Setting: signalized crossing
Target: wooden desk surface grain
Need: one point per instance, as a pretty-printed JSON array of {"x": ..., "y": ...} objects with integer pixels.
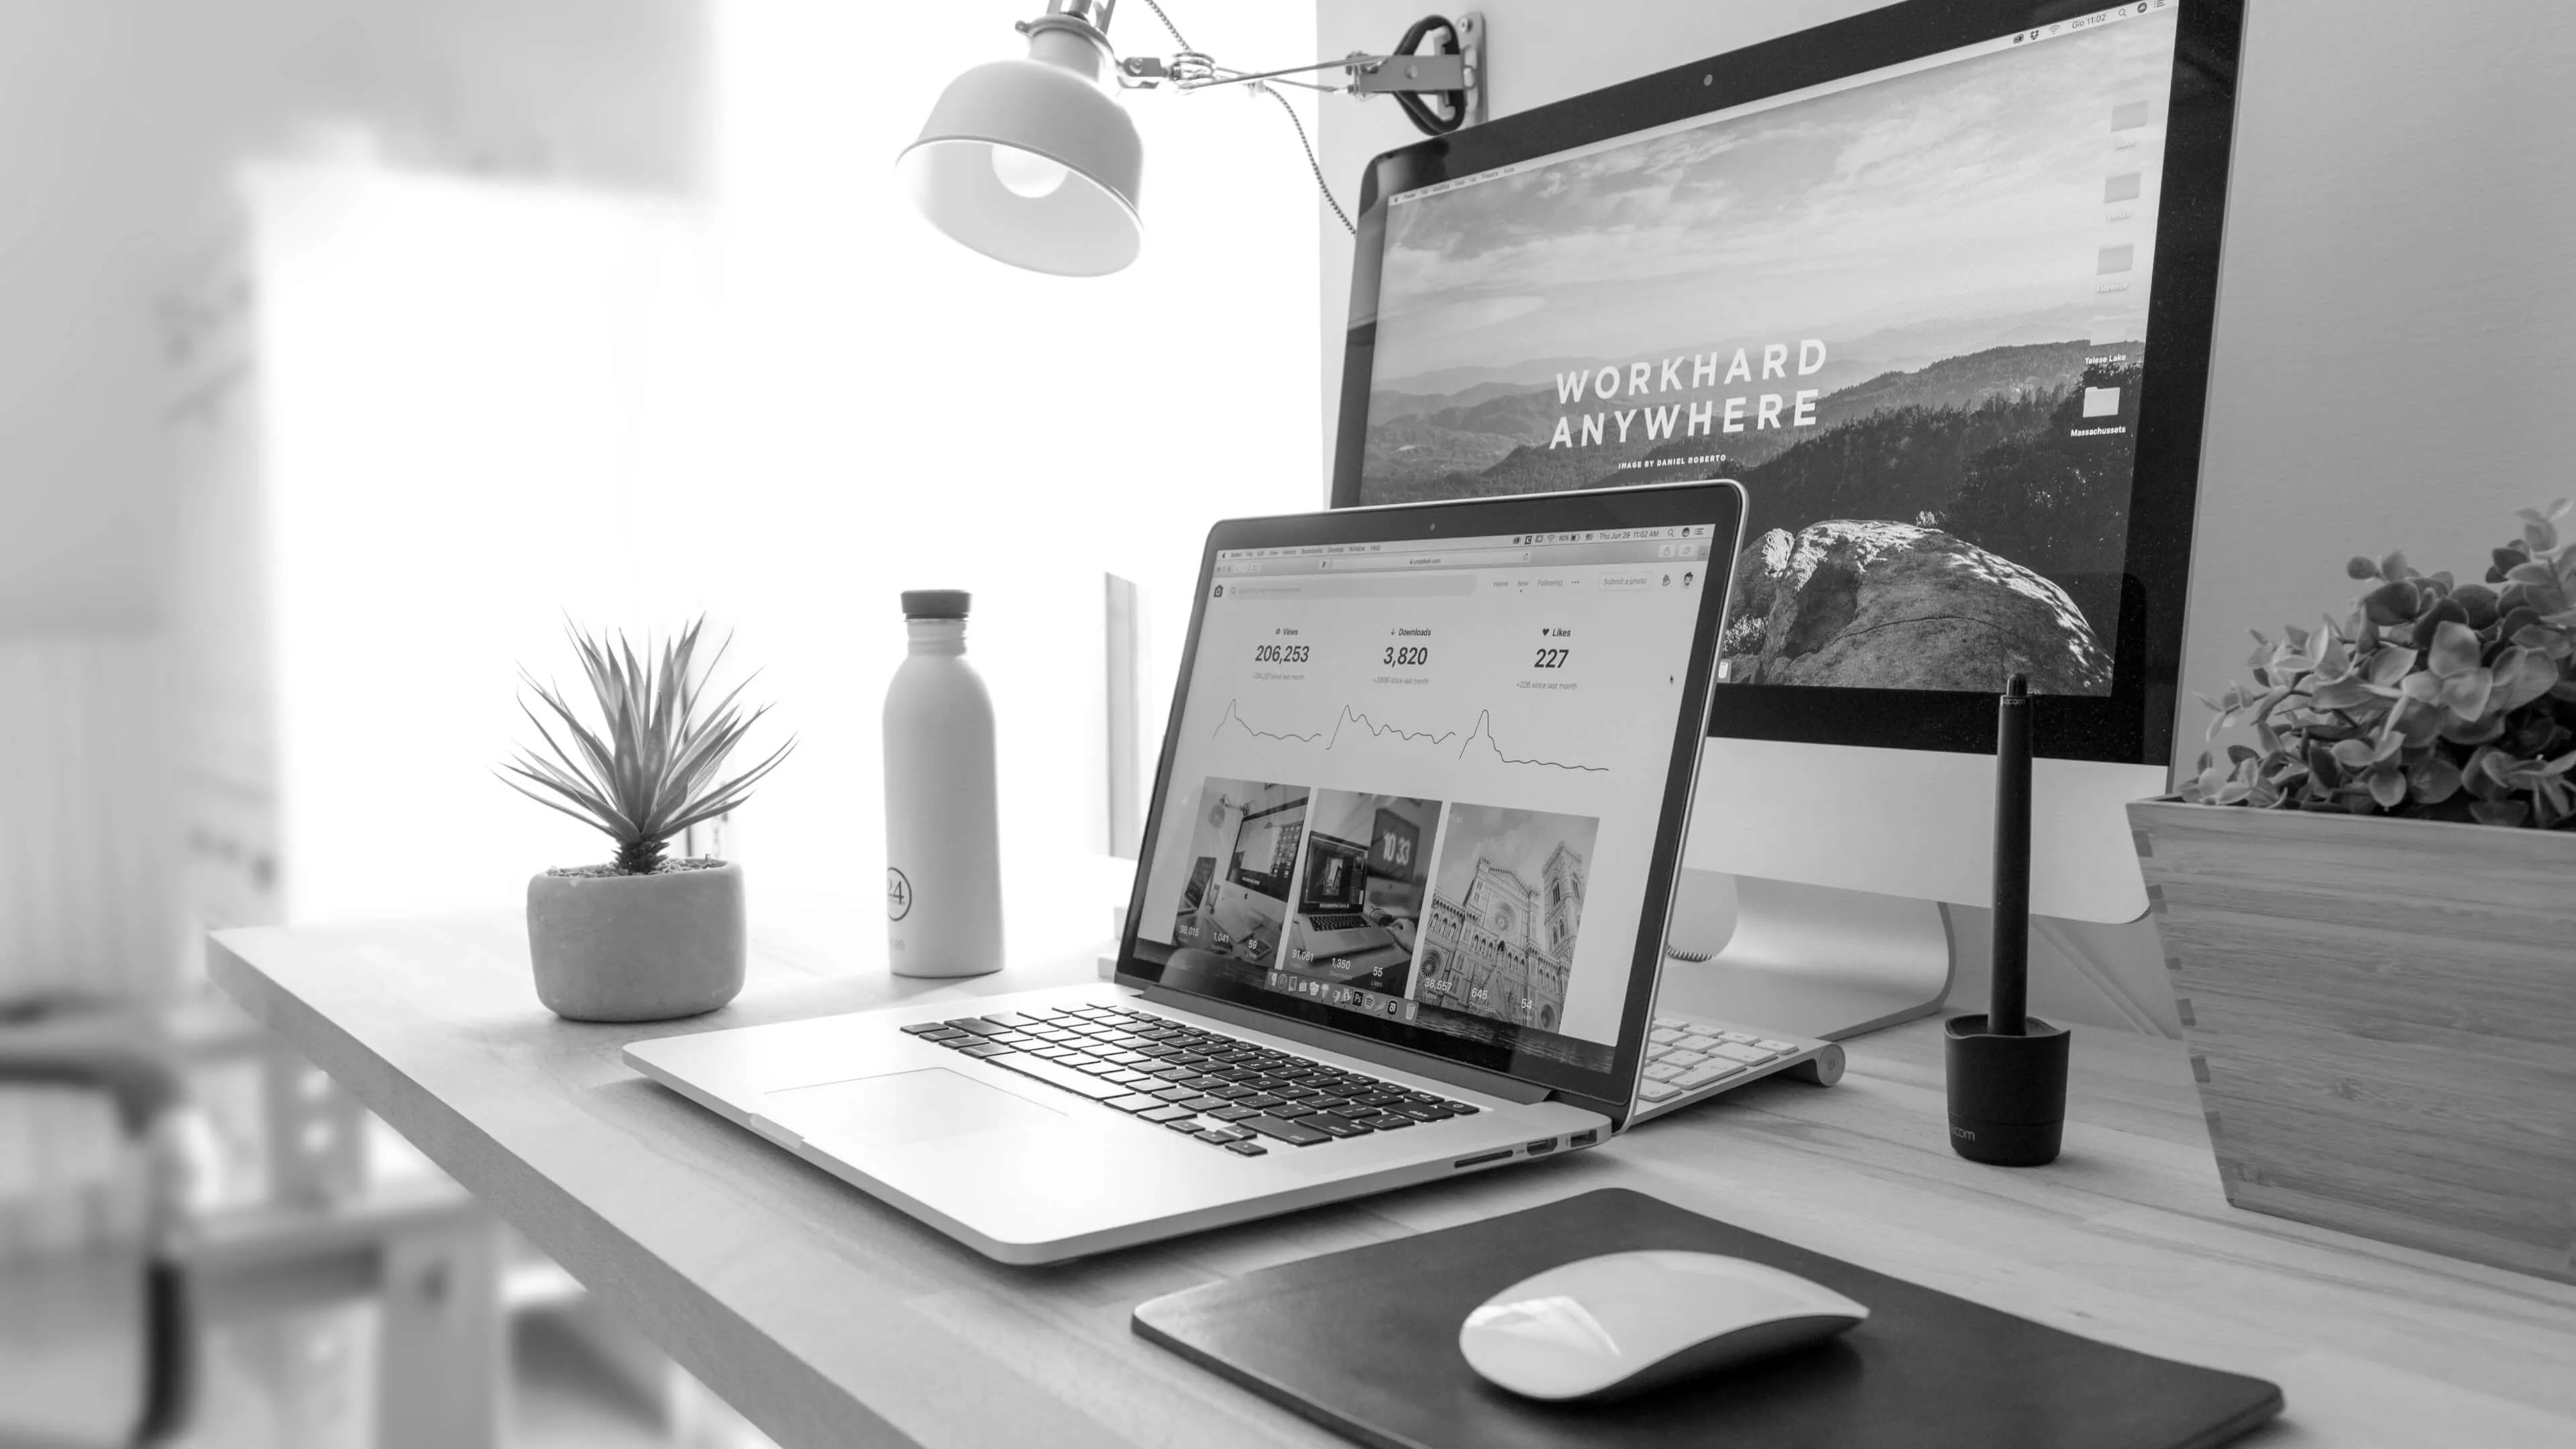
[{"x": 832, "y": 1320}]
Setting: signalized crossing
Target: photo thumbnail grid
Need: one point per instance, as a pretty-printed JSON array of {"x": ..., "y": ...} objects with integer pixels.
[{"x": 1444, "y": 914}]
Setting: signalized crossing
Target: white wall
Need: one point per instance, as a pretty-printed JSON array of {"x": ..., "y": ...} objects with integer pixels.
[
  {"x": 2396, "y": 322},
  {"x": 896, "y": 412},
  {"x": 2397, "y": 319}
]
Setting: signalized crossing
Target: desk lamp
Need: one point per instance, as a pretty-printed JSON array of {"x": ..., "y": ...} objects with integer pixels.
[{"x": 1034, "y": 163}]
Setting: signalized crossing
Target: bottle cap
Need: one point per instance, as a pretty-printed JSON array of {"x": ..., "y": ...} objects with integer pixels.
[{"x": 935, "y": 603}]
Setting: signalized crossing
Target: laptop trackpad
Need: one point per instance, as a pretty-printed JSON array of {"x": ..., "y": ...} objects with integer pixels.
[{"x": 916, "y": 1106}]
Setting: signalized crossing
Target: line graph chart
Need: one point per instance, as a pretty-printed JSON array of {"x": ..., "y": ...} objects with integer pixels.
[{"x": 1355, "y": 723}]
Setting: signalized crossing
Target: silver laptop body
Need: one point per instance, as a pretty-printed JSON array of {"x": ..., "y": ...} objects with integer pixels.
[{"x": 1517, "y": 749}]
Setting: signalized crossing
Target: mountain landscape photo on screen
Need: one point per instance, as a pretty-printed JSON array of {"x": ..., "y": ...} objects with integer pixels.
[{"x": 1909, "y": 316}]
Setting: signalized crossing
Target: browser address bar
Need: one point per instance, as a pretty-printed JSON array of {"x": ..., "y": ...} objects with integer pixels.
[{"x": 1429, "y": 584}]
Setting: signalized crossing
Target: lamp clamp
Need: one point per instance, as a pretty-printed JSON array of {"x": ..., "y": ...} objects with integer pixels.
[
  {"x": 1380, "y": 75},
  {"x": 1371, "y": 75}
]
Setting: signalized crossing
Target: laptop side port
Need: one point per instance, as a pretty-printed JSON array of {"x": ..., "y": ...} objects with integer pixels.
[
  {"x": 1584, "y": 1138},
  {"x": 1542, "y": 1147},
  {"x": 1482, "y": 1158}
]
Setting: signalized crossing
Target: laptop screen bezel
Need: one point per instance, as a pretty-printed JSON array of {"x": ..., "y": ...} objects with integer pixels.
[{"x": 1718, "y": 504}]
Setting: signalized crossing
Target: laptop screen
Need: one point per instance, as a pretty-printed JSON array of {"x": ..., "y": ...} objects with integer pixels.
[{"x": 1422, "y": 783}]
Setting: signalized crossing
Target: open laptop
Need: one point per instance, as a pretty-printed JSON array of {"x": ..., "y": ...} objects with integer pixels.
[{"x": 1481, "y": 720}]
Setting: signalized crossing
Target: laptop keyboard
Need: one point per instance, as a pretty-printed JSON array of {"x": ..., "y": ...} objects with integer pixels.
[
  {"x": 1348, "y": 922},
  {"x": 1218, "y": 1089},
  {"x": 1684, "y": 1056}
]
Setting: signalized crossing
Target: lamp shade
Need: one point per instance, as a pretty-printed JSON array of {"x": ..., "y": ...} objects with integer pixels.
[{"x": 1031, "y": 162}]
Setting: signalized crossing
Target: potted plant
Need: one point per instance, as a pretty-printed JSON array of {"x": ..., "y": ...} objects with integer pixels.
[
  {"x": 644, "y": 937},
  {"x": 2369, "y": 913}
]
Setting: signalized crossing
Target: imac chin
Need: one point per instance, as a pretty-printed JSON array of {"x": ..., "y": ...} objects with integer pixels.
[{"x": 1816, "y": 885}]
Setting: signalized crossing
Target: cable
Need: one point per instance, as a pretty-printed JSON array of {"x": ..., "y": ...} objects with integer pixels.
[
  {"x": 1168, "y": 25},
  {"x": 1424, "y": 118},
  {"x": 1312, "y": 164}
]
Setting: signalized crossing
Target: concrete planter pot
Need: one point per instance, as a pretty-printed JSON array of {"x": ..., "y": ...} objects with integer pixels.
[
  {"x": 637, "y": 947},
  {"x": 2382, "y": 1019}
]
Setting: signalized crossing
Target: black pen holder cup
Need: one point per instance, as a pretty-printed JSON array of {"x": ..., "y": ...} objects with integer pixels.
[{"x": 2007, "y": 1093}]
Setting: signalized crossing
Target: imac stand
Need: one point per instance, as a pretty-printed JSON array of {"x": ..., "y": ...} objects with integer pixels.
[
  {"x": 1816, "y": 961},
  {"x": 1808, "y": 903}
]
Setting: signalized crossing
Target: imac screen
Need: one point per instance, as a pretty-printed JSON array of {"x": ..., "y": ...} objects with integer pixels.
[{"x": 1906, "y": 309}]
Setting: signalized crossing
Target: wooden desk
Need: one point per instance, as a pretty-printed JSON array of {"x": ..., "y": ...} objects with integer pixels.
[{"x": 831, "y": 1320}]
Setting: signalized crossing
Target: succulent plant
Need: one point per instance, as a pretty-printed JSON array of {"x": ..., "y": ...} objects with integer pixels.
[
  {"x": 2434, "y": 699},
  {"x": 652, "y": 771}
]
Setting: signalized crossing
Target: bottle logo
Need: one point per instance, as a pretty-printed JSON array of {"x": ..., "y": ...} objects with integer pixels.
[{"x": 898, "y": 895}]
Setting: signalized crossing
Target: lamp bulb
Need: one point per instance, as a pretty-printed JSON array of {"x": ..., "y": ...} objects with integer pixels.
[{"x": 1026, "y": 173}]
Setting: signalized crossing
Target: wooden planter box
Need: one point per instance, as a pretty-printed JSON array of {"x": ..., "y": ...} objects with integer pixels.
[{"x": 2382, "y": 1019}]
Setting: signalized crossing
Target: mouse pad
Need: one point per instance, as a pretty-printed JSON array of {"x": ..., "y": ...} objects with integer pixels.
[{"x": 1366, "y": 1342}]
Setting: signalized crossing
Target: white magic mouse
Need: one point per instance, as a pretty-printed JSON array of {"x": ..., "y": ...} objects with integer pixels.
[{"x": 1623, "y": 1322}]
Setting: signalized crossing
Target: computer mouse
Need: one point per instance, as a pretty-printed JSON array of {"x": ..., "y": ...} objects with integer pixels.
[{"x": 1624, "y": 1322}]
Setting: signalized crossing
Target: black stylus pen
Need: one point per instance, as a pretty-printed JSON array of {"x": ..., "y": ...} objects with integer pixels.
[{"x": 2009, "y": 1005}]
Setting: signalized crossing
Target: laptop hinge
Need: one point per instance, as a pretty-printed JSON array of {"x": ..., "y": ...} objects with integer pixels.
[{"x": 1492, "y": 1084}]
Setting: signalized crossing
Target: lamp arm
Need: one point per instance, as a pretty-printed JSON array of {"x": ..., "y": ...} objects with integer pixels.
[
  {"x": 1439, "y": 89},
  {"x": 1191, "y": 71}
]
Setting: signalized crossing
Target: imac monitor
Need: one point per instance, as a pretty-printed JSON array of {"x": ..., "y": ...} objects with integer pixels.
[{"x": 1935, "y": 283}]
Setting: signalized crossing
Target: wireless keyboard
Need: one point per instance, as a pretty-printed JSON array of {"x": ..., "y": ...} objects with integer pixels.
[{"x": 1689, "y": 1059}]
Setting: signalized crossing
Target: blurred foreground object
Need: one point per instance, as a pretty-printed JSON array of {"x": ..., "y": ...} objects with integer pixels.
[
  {"x": 122, "y": 1247},
  {"x": 90, "y": 1290}
]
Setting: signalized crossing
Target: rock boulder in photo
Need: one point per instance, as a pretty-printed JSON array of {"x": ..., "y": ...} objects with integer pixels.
[{"x": 1868, "y": 604}]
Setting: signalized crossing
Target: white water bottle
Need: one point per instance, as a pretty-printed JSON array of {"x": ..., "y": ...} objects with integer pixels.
[{"x": 943, "y": 832}]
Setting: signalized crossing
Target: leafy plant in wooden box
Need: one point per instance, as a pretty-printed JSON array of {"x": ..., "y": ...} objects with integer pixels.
[{"x": 2432, "y": 700}]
